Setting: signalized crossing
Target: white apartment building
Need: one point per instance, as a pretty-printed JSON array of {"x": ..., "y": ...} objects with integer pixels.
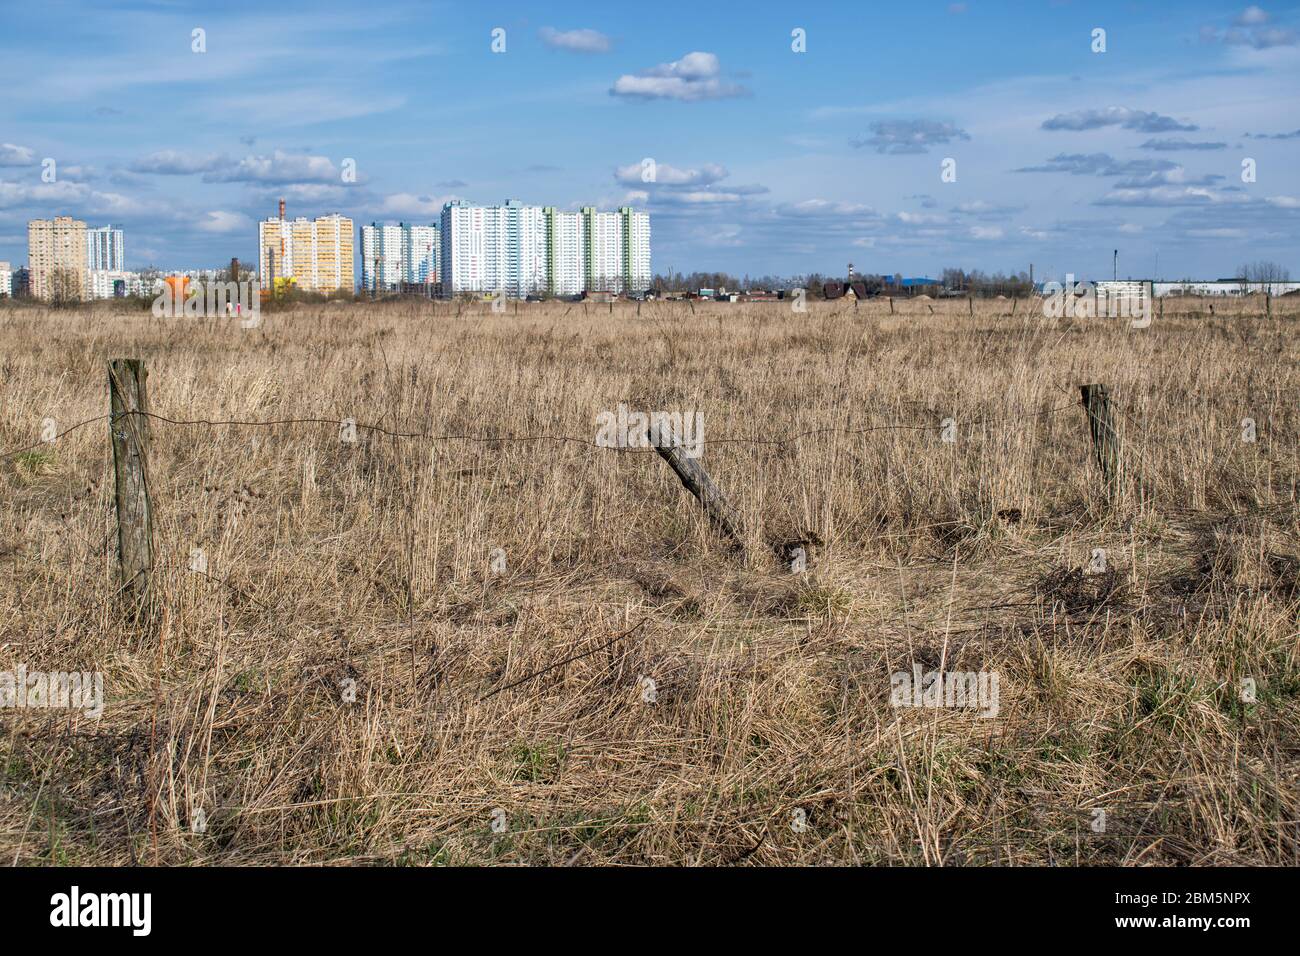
[
  {"x": 103, "y": 282},
  {"x": 381, "y": 256},
  {"x": 105, "y": 250},
  {"x": 462, "y": 231},
  {"x": 6, "y": 280},
  {"x": 604, "y": 253},
  {"x": 635, "y": 226},
  {"x": 401, "y": 253},
  {"x": 493, "y": 249},
  {"x": 421, "y": 251},
  {"x": 565, "y": 251},
  {"x": 520, "y": 250}
]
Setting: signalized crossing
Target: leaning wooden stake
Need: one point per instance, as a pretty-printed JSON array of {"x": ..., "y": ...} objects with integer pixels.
[
  {"x": 129, "y": 433},
  {"x": 1105, "y": 440},
  {"x": 696, "y": 480}
]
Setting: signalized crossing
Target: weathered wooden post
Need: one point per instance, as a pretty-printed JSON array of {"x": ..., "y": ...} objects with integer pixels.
[
  {"x": 1105, "y": 440},
  {"x": 695, "y": 479},
  {"x": 129, "y": 433}
]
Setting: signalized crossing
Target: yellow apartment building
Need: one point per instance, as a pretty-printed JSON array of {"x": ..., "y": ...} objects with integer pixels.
[{"x": 56, "y": 256}]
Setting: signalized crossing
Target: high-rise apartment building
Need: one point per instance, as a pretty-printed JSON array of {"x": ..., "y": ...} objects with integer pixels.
[
  {"x": 421, "y": 251},
  {"x": 105, "y": 250},
  {"x": 565, "y": 245},
  {"x": 381, "y": 257},
  {"x": 604, "y": 250},
  {"x": 493, "y": 248},
  {"x": 6, "y": 280},
  {"x": 635, "y": 245},
  {"x": 56, "y": 256},
  {"x": 520, "y": 250},
  {"x": 405, "y": 253},
  {"x": 316, "y": 253}
]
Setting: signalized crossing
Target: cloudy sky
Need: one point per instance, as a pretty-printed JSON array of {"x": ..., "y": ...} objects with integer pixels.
[{"x": 762, "y": 158}]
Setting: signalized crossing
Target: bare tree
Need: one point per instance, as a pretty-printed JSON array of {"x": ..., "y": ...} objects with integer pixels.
[
  {"x": 65, "y": 287},
  {"x": 1261, "y": 274}
]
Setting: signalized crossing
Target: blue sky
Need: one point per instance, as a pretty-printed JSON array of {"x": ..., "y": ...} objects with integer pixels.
[{"x": 766, "y": 160}]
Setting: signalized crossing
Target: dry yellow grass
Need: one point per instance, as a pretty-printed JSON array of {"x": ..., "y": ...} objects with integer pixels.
[{"x": 331, "y": 563}]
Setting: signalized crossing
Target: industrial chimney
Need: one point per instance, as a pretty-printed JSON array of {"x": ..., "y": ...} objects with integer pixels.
[{"x": 281, "y": 207}]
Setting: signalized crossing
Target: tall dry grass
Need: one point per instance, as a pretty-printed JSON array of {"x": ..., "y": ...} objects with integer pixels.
[{"x": 335, "y": 568}]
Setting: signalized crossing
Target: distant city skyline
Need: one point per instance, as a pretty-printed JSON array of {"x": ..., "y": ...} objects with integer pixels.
[{"x": 763, "y": 139}]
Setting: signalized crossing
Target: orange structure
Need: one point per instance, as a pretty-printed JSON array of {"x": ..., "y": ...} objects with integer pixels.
[{"x": 178, "y": 285}]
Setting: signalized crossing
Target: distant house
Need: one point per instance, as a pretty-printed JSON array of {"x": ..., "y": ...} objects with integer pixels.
[{"x": 856, "y": 289}]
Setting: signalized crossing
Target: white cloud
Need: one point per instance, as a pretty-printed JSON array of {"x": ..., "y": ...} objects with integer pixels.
[
  {"x": 818, "y": 208},
  {"x": 909, "y": 136},
  {"x": 700, "y": 196},
  {"x": 170, "y": 162},
  {"x": 1252, "y": 16},
  {"x": 220, "y": 221},
  {"x": 1170, "y": 196},
  {"x": 575, "y": 41},
  {"x": 694, "y": 77},
  {"x": 56, "y": 193},
  {"x": 278, "y": 168},
  {"x": 920, "y": 218},
  {"x": 666, "y": 175},
  {"x": 1143, "y": 121},
  {"x": 11, "y": 155}
]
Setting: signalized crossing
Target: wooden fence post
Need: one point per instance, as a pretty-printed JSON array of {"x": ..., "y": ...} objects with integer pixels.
[
  {"x": 696, "y": 480},
  {"x": 129, "y": 433},
  {"x": 1105, "y": 440}
]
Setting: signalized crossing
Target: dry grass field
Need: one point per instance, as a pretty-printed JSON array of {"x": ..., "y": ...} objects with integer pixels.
[{"x": 351, "y": 682}]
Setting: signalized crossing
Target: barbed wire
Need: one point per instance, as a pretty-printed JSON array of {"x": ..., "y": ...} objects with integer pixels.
[
  {"x": 43, "y": 441},
  {"x": 487, "y": 439},
  {"x": 1125, "y": 411}
]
